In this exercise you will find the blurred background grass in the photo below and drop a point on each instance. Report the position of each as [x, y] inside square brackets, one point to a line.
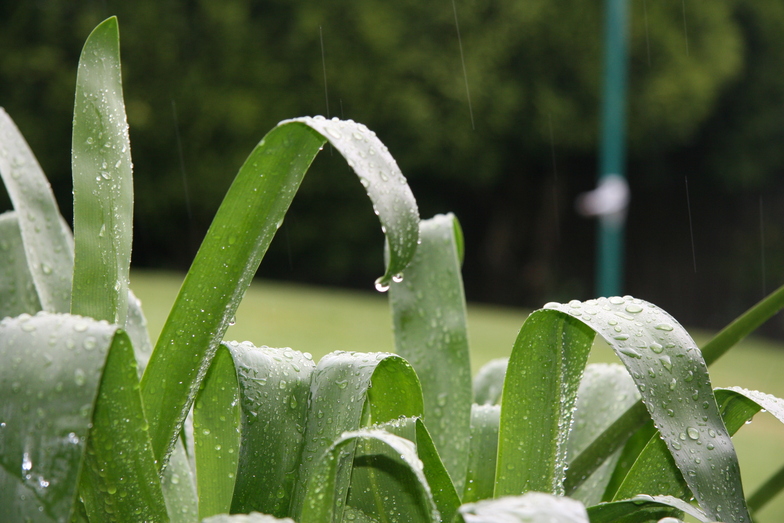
[323, 319]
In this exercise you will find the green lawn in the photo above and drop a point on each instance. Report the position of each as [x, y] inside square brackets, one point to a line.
[321, 320]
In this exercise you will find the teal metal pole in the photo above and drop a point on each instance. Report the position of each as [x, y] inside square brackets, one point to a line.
[612, 154]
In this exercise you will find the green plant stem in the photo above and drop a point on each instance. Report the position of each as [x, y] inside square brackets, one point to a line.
[594, 455]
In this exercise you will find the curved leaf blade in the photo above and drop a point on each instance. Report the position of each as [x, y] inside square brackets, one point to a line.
[47, 249]
[644, 508]
[673, 381]
[540, 388]
[274, 392]
[349, 391]
[253, 517]
[429, 315]
[48, 392]
[488, 383]
[247, 220]
[412, 500]
[384, 183]
[102, 181]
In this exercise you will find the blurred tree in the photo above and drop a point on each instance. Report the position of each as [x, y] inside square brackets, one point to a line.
[210, 78]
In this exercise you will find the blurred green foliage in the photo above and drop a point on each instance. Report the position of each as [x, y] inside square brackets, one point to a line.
[205, 80]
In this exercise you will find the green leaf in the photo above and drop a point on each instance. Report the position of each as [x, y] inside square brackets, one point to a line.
[739, 405]
[119, 480]
[643, 509]
[136, 327]
[350, 391]
[655, 472]
[391, 456]
[541, 383]
[444, 493]
[533, 507]
[179, 487]
[274, 392]
[216, 434]
[253, 517]
[239, 236]
[480, 479]
[673, 381]
[489, 382]
[102, 181]
[47, 249]
[429, 314]
[636, 417]
[52, 365]
[17, 288]
[605, 392]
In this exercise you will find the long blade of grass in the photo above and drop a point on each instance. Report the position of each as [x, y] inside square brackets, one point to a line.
[634, 418]
[16, 283]
[429, 315]
[388, 454]
[480, 478]
[216, 434]
[533, 507]
[46, 248]
[102, 181]
[49, 384]
[540, 388]
[605, 392]
[350, 391]
[119, 480]
[243, 228]
[673, 380]
[645, 508]
[274, 392]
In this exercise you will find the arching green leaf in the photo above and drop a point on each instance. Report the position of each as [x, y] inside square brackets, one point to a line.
[239, 236]
[673, 380]
[16, 283]
[480, 479]
[534, 507]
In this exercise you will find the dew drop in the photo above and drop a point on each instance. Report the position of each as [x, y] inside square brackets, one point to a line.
[633, 308]
[664, 327]
[382, 285]
[693, 433]
[657, 348]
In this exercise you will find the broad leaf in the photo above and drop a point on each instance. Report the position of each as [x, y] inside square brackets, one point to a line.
[349, 391]
[541, 383]
[102, 181]
[239, 236]
[429, 314]
[50, 382]
[274, 389]
[489, 382]
[47, 250]
[673, 380]
[119, 480]
[389, 455]
[17, 288]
